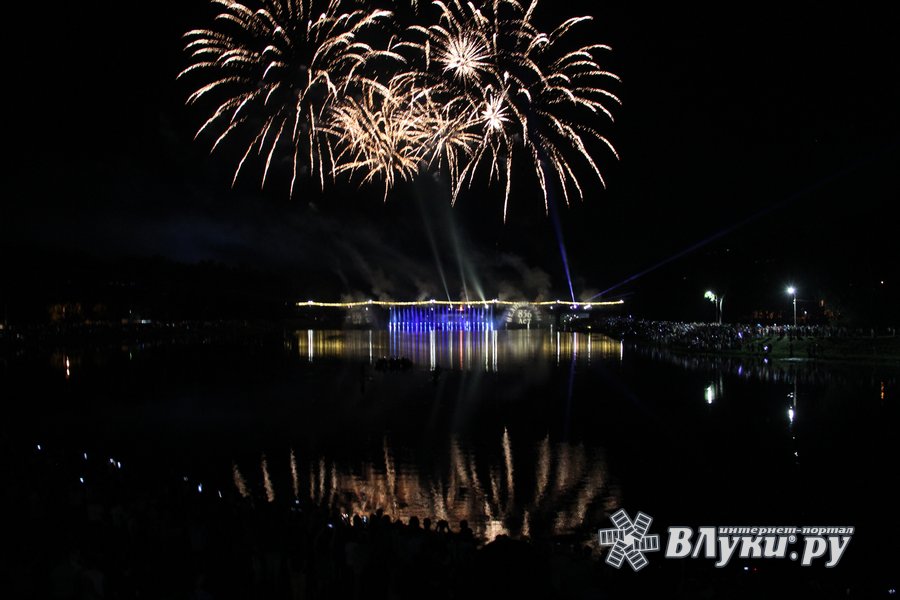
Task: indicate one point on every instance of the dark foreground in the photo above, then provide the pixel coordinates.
(534, 439)
(112, 538)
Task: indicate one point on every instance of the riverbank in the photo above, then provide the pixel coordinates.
(770, 342)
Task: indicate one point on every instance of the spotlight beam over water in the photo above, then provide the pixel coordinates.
(432, 242)
(557, 228)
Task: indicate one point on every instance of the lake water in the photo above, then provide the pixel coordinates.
(526, 433)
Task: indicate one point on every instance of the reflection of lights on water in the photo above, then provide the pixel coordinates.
(569, 481)
(85, 456)
(239, 482)
(220, 493)
(199, 488)
(714, 390)
(390, 473)
(321, 478)
(295, 478)
(488, 349)
(432, 350)
(39, 447)
(68, 370)
(508, 461)
(267, 480)
(494, 480)
(494, 348)
(543, 470)
(81, 479)
(882, 390)
(791, 415)
(334, 483)
(494, 529)
(557, 347)
(563, 467)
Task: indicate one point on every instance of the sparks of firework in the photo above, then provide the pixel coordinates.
(380, 135)
(494, 113)
(272, 69)
(523, 89)
(465, 56)
(480, 88)
(392, 130)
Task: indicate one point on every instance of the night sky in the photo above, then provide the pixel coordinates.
(770, 130)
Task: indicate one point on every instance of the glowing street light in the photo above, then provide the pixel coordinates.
(792, 291)
(717, 301)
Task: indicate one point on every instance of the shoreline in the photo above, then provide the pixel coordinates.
(776, 343)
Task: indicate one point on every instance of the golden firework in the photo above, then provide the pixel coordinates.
(272, 69)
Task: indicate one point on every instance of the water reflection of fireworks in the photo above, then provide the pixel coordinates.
(567, 492)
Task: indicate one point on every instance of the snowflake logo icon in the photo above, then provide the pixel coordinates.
(628, 540)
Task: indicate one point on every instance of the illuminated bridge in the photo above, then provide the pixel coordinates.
(444, 315)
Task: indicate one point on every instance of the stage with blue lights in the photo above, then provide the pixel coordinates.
(442, 318)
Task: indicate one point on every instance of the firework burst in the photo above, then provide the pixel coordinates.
(380, 134)
(480, 88)
(525, 90)
(393, 130)
(271, 70)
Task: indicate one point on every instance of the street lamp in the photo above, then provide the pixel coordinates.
(717, 301)
(792, 291)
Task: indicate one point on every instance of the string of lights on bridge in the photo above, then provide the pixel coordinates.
(460, 304)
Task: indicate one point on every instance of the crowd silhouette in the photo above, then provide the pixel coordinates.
(713, 337)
